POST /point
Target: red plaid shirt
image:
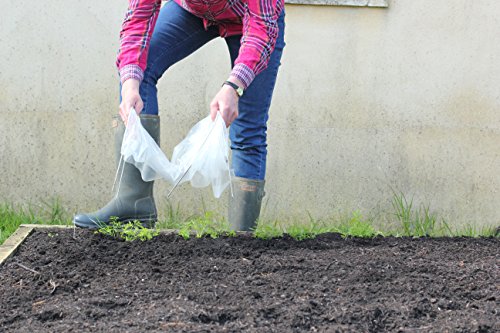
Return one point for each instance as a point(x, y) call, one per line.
point(255, 20)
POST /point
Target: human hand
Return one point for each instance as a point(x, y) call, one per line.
point(226, 102)
point(130, 99)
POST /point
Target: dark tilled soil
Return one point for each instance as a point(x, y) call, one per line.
point(93, 283)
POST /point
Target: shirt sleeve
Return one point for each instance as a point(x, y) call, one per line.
point(135, 37)
point(260, 31)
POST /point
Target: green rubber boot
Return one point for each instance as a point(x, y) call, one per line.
point(244, 205)
point(134, 198)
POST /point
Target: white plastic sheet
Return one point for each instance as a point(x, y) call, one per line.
point(201, 158)
point(203, 155)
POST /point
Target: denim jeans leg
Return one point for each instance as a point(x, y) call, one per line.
point(176, 35)
point(248, 133)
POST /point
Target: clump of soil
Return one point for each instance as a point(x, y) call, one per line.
point(57, 283)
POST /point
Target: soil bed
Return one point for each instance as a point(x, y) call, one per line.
point(93, 283)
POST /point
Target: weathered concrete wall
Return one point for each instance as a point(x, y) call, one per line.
point(367, 100)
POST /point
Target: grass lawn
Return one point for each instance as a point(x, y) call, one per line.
point(11, 216)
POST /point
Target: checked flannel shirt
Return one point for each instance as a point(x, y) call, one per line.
point(255, 20)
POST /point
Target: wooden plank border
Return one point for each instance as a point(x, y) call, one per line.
point(9, 247)
point(47, 226)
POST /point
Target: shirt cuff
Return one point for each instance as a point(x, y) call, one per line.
point(243, 73)
point(131, 72)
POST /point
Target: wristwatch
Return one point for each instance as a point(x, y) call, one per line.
point(238, 90)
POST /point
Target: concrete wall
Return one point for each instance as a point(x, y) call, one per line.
point(367, 100)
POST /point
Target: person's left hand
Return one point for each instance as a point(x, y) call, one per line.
point(226, 102)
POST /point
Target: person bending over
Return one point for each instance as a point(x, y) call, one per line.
point(155, 37)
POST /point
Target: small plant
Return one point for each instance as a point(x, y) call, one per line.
point(174, 217)
point(206, 225)
point(357, 226)
point(185, 233)
point(468, 231)
point(352, 226)
point(268, 231)
point(54, 211)
point(446, 230)
point(306, 231)
point(422, 223)
point(301, 232)
point(129, 232)
point(473, 231)
point(417, 223)
point(403, 211)
point(425, 222)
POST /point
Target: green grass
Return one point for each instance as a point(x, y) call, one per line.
point(48, 212)
point(422, 222)
point(174, 217)
point(353, 225)
point(199, 225)
point(206, 225)
point(357, 226)
point(418, 221)
point(474, 231)
point(410, 220)
point(268, 230)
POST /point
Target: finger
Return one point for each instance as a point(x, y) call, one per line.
point(234, 115)
point(214, 108)
point(121, 112)
point(126, 112)
point(139, 105)
point(230, 116)
point(225, 113)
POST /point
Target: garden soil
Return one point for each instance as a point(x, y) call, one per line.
point(57, 283)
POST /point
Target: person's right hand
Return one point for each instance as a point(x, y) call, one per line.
point(130, 99)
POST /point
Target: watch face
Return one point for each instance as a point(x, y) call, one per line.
point(240, 91)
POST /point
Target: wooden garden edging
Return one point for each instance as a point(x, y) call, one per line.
point(9, 247)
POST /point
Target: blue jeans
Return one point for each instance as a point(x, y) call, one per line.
point(177, 34)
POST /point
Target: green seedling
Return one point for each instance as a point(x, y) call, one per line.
point(301, 232)
point(357, 226)
point(206, 225)
point(129, 232)
point(268, 231)
point(185, 233)
point(174, 217)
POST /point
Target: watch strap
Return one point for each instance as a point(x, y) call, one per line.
point(238, 90)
